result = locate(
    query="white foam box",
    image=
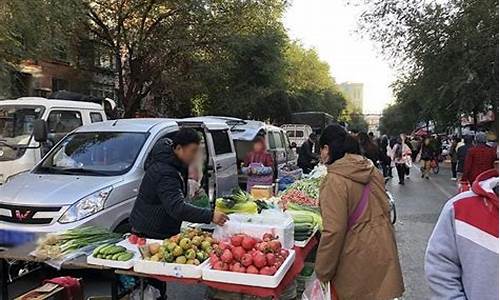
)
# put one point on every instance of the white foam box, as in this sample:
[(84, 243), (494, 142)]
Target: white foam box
[(169, 269), (256, 225), (114, 263), (210, 274)]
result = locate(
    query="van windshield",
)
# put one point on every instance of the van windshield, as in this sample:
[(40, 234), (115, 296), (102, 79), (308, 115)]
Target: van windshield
[(16, 127), (94, 154)]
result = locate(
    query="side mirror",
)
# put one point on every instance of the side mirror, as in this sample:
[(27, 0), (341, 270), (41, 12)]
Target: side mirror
[(40, 131)]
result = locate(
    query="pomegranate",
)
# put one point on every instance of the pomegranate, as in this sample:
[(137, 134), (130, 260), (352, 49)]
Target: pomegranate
[(238, 252), (275, 246), (248, 243), (225, 267), (273, 270), (267, 237), (266, 271), (259, 260), (224, 245), (252, 270), (236, 240), (284, 253), (226, 256), (246, 259), (218, 266), (271, 259)]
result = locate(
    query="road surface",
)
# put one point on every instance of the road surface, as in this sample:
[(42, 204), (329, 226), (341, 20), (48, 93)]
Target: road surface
[(419, 203)]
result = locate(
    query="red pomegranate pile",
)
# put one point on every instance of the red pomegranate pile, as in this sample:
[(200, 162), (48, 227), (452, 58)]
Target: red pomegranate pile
[(245, 254)]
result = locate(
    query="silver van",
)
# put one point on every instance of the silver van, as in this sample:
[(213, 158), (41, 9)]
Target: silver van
[(92, 176)]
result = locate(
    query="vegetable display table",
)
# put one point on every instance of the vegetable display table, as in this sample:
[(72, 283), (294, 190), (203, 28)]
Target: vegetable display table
[(22, 253), (300, 256)]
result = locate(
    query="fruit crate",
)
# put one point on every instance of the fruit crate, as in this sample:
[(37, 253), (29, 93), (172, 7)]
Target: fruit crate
[(249, 279), (169, 269), (114, 263)]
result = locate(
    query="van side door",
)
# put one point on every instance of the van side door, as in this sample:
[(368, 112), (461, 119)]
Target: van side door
[(224, 157)]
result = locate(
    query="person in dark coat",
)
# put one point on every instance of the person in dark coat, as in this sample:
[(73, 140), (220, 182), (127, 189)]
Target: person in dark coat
[(368, 148), (160, 207), (462, 153), (307, 158)]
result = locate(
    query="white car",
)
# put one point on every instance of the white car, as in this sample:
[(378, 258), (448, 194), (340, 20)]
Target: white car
[(297, 133)]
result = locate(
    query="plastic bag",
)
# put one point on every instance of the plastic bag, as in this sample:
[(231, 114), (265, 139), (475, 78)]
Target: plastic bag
[(149, 293), (316, 290)]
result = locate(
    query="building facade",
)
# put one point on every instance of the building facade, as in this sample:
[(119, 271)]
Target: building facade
[(354, 93)]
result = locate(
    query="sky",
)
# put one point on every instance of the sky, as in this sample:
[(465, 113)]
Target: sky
[(329, 26)]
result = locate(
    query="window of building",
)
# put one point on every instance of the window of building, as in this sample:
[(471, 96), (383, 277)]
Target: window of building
[(59, 84)]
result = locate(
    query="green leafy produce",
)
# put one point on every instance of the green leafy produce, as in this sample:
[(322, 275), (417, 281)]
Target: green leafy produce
[(53, 246)]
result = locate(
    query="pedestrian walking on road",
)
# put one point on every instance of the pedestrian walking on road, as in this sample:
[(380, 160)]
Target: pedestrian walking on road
[(357, 252), (479, 158), (454, 157), (461, 261), (426, 155), (402, 157), (385, 160), (368, 148), (462, 153)]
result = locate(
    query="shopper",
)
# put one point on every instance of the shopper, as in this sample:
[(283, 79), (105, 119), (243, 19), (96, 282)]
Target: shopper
[(462, 153), (426, 155), (357, 252), (407, 151), (402, 156), (385, 160), (454, 157), (461, 261), (479, 158), (160, 206), (368, 148), (307, 158), (259, 159)]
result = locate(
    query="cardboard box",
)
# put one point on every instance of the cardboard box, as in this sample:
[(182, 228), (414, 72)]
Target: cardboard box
[(45, 292), (262, 191)]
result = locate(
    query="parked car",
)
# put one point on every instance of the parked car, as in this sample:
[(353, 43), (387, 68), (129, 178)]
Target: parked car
[(19, 152), (92, 176), (244, 132), (297, 133)]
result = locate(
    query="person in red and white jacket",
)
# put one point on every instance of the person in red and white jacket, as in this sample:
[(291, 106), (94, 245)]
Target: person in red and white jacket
[(461, 261)]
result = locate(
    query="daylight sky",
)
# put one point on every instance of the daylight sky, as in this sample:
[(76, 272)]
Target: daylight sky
[(328, 26)]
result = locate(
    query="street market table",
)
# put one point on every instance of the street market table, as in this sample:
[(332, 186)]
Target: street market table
[(300, 256), (22, 253)]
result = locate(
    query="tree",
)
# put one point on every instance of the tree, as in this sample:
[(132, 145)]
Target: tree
[(447, 53), (156, 42), (34, 29)]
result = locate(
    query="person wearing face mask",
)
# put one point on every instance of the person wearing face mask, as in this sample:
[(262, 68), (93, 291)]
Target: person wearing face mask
[(161, 204), (357, 252)]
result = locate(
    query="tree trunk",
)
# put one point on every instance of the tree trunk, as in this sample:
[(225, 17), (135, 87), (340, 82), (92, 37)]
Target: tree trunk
[(119, 71)]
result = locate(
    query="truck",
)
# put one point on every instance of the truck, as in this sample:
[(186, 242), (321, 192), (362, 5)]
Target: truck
[(92, 176), (19, 152), (316, 119)]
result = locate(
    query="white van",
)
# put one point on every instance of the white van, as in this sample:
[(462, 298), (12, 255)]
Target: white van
[(297, 133), (19, 151)]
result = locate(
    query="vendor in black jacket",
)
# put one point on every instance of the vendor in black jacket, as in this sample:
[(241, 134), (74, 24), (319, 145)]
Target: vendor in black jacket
[(307, 158), (160, 207)]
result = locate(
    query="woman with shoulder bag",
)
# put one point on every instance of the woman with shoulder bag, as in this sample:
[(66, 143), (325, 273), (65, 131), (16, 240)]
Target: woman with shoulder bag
[(357, 252)]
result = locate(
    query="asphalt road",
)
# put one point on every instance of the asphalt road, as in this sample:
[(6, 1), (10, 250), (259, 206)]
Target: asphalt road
[(418, 204)]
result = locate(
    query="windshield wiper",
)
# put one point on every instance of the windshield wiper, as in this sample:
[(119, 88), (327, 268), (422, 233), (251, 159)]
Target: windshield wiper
[(81, 171), (4, 143), (72, 171)]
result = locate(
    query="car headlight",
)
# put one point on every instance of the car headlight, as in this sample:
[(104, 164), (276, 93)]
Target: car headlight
[(86, 206)]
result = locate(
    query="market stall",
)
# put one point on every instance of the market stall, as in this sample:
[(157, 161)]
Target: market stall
[(260, 251)]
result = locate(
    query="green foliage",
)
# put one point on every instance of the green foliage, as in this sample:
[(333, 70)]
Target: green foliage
[(447, 53)]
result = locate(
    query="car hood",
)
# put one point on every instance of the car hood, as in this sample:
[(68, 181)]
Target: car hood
[(50, 190)]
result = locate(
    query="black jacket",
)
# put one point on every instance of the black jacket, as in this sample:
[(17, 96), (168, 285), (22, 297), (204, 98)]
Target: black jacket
[(306, 155), (160, 207), (461, 154)]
